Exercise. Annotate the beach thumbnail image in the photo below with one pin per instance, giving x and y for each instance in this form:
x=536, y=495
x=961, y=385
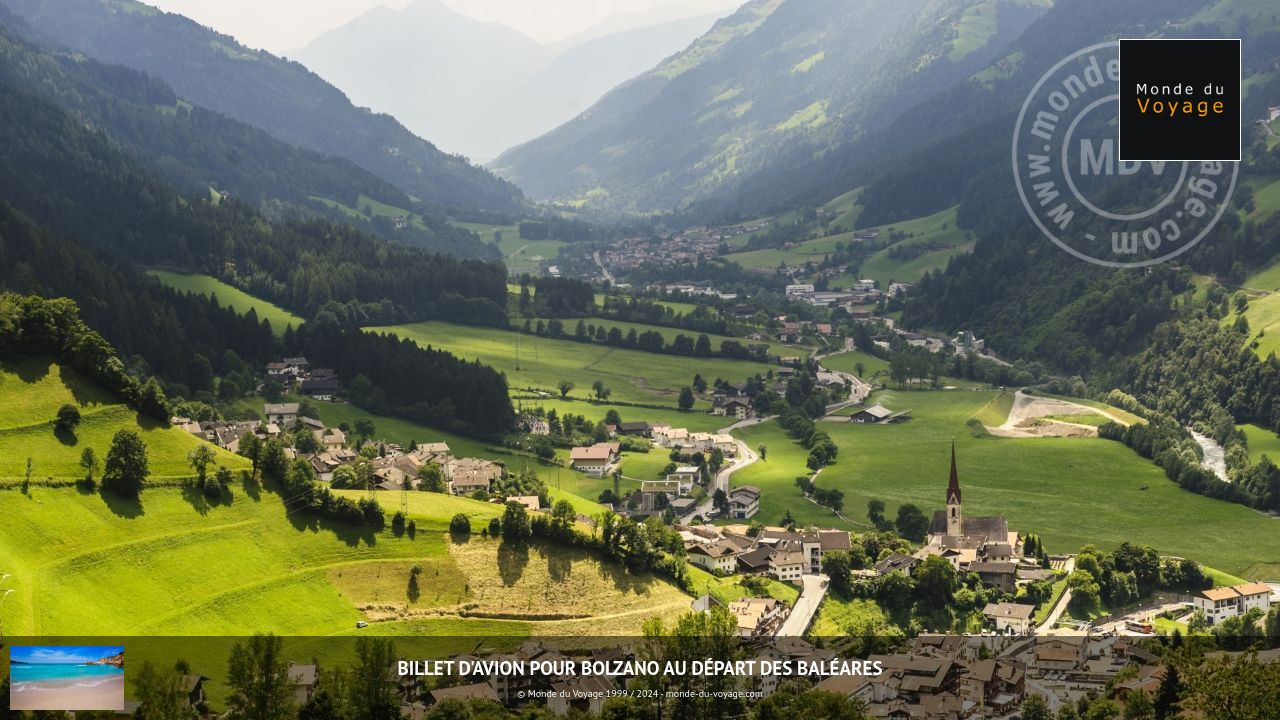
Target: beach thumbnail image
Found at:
x=63, y=677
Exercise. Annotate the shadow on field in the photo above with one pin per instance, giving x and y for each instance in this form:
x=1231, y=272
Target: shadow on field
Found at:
x=201, y=500
x=303, y=520
x=513, y=558
x=65, y=436
x=251, y=488
x=29, y=370
x=122, y=506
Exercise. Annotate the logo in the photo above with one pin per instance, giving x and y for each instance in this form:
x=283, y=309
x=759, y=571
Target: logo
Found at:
x=1085, y=199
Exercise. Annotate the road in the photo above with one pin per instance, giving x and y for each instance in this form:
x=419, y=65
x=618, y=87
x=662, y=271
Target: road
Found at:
x=813, y=588
x=859, y=389
x=603, y=270
x=746, y=456
x=1063, y=601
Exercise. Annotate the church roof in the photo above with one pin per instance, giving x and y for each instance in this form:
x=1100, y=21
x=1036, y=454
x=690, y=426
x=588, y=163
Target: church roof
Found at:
x=992, y=529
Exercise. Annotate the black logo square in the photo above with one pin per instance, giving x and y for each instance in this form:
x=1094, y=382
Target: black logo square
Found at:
x=1180, y=100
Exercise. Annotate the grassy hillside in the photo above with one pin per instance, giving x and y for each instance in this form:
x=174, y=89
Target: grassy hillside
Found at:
x=31, y=391
x=634, y=376
x=935, y=237
x=927, y=244
x=520, y=255
x=177, y=567
x=236, y=298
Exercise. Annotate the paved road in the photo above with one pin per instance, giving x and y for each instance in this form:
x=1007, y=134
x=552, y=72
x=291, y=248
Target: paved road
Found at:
x=746, y=456
x=813, y=590
x=1047, y=626
x=860, y=389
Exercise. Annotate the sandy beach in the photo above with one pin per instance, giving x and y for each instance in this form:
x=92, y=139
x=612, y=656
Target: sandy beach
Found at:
x=104, y=692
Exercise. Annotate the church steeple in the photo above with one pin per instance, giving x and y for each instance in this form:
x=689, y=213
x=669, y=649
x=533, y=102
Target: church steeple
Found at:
x=953, y=488
x=955, y=521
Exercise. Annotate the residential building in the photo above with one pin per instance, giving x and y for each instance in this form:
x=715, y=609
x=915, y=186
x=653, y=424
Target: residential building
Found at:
x=758, y=617
x=788, y=565
x=720, y=556
x=1010, y=617
x=744, y=502
x=594, y=460
x=1218, y=604
x=472, y=474
x=282, y=414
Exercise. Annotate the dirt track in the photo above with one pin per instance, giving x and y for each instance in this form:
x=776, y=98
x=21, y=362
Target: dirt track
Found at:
x=1025, y=418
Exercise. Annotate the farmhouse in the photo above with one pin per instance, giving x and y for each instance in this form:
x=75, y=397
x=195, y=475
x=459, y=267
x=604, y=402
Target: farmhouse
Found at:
x=303, y=679
x=720, y=556
x=1218, y=604
x=1010, y=617
x=282, y=414
x=472, y=474
x=637, y=429
x=812, y=544
x=897, y=562
x=731, y=407
x=320, y=388
x=594, y=460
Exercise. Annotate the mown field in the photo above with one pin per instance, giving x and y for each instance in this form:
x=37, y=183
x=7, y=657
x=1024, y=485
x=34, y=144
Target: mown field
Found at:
x=228, y=295
x=633, y=376
x=670, y=333
x=1262, y=443
x=873, y=368
x=520, y=255
x=32, y=390
x=1071, y=491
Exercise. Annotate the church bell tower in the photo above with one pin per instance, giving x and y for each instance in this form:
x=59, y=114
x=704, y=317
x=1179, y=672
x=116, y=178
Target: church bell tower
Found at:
x=955, y=519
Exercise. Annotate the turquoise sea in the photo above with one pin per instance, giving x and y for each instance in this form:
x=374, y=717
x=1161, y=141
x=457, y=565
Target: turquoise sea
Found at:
x=63, y=675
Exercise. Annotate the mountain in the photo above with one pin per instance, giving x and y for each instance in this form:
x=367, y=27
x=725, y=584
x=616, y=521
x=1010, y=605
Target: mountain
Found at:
x=282, y=97
x=778, y=82
x=201, y=152
x=405, y=62
x=408, y=63
x=574, y=80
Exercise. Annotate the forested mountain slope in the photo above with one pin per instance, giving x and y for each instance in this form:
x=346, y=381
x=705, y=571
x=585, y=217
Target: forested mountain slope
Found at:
x=279, y=96
x=776, y=85
x=201, y=152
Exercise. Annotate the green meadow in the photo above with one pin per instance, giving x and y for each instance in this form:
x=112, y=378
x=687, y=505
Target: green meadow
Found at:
x=1262, y=443
x=670, y=333
x=178, y=566
x=633, y=376
x=231, y=296
x=873, y=368
x=936, y=236
x=32, y=390
x=1071, y=491
x=520, y=255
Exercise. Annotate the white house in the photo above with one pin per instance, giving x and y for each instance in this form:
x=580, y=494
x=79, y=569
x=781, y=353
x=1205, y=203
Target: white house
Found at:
x=594, y=460
x=1010, y=617
x=1218, y=604
x=282, y=414
x=721, y=556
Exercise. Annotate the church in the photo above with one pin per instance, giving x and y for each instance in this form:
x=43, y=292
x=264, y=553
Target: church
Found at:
x=969, y=540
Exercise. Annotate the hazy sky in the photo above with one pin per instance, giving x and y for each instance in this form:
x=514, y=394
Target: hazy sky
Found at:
x=283, y=25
